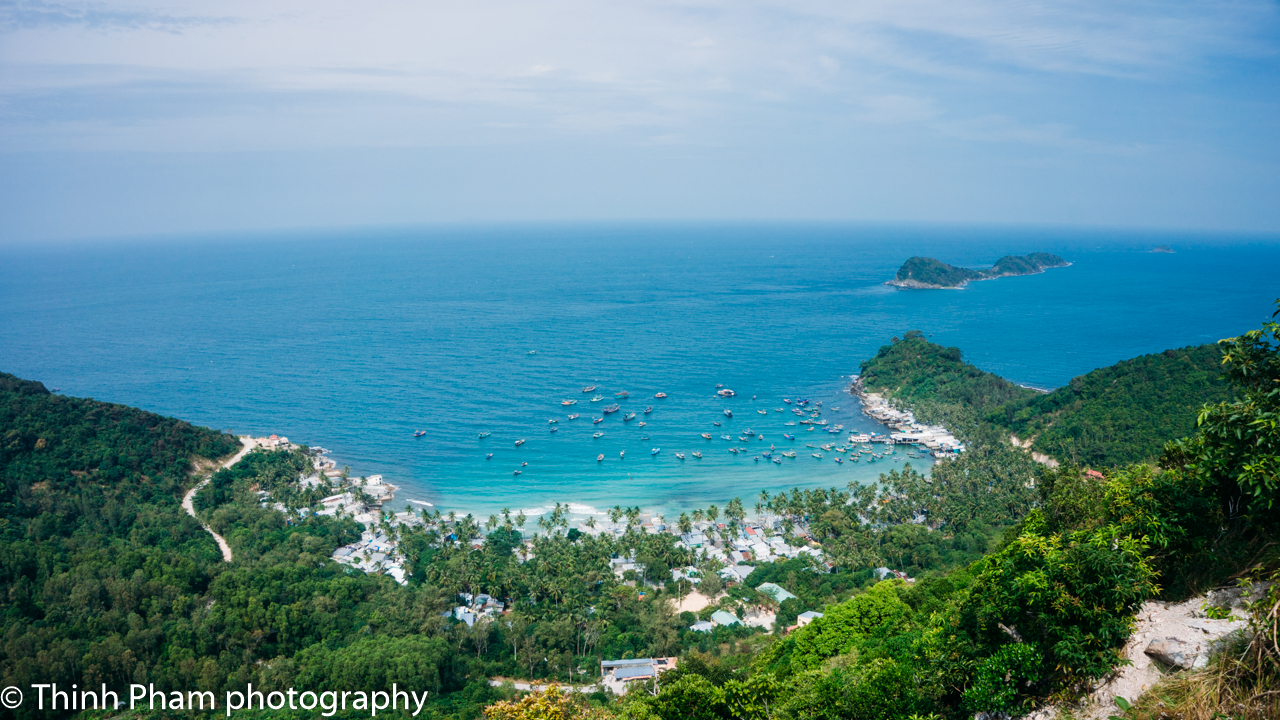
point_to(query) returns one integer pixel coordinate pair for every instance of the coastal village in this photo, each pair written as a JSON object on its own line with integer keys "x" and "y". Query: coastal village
{"x": 733, "y": 550}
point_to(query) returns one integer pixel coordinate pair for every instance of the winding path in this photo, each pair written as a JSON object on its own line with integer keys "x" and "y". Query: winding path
{"x": 189, "y": 498}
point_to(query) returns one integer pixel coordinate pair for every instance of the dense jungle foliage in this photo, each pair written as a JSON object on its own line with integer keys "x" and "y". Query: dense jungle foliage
{"x": 1109, "y": 417}
{"x": 915, "y": 371}
{"x": 1120, "y": 414}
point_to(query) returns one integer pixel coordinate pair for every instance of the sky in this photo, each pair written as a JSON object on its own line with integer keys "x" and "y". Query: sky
{"x": 178, "y": 117}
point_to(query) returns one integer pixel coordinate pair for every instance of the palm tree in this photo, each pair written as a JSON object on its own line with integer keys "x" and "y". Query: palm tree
{"x": 684, "y": 523}
{"x": 591, "y": 523}
{"x": 698, "y": 515}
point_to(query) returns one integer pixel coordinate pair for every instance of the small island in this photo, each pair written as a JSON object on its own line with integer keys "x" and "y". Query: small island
{"x": 930, "y": 274}
{"x": 1163, "y": 249}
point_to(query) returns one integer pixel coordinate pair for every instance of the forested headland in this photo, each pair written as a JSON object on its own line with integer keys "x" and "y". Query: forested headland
{"x": 1026, "y": 578}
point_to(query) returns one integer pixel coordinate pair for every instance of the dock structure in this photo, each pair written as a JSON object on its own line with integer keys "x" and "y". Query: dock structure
{"x": 937, "y": 439}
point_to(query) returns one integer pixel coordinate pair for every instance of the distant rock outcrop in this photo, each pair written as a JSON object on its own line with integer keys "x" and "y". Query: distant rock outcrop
{"x": 930, "y": 274}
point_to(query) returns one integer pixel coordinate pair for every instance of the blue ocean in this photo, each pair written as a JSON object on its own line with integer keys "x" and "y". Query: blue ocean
{"x": 355, "y": 340}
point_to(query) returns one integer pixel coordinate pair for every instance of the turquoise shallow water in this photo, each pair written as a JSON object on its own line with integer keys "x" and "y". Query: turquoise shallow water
{"x": 355, "y": 340}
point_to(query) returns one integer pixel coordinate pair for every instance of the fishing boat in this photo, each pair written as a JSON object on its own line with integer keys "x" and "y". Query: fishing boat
{"x": 840, "y": 460}
{"x": 519, "y": 443}
{"x": 733, "y": 450}
{"x": 517, "y": 472}
{"x": 789, "y": 454}
{"x": 748, "y": 431}
{"x": 766, "y": 455}
{"x": 786, "y": 401}
{"x": 642, "y": 424}
{"x": 598, "y": 435}
{"x": 716, "y": 423}
{"x": 789, "y": 437}
{"x": 553, "y": 421}
{"x": 628, "y": 417}
{"x": 567, "y": 403}
{"x": 554, "y": 429}
{"x": 623, "y": 454}
{"x": 533, "y": 352}
{"x": 484, "y": 435}
{"x": 655, "y": 451}
{"x": 589, "y": 388}
{"x": 728, "y": 413}
{"x": 680, "y": 456}
{"x": 611, "y": 409}
{"x": 725, "y": 437}
{"x": 719, "y": 385}
{"x": 420, "y": 433}
{"x": 644, "y": 437}
{"x": 597, "y": 398}
{"x": 726, "y": 393}
{"x": 648, "y": 410}
{"x": 597, "y": 421}
{"x": 600, "y": 457}
{"x": 524, "y": 464}
{"x": 817, "y": 455}
{"x": 743, "y": 438}
{"x": 706, "y": 436}
{"x": 622, "y": 394}
{"x": 777, "y": 409}
{"x": 763, "y": 412}
{"x": 697, "y": 455}
{"x": 777, "y": 461}
{"x": 660, "y": 395}
{"x": 489, "y": 456}
{"x": 573, "y": 416}
{"x": 791, "y": 423}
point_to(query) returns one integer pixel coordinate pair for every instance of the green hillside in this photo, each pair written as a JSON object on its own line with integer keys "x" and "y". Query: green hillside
{"x": 914, "y": 370}
{"x": 1123, "y": 413}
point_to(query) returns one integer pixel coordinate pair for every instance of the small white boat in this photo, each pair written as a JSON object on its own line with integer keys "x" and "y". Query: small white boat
{"x": 573, "y": 416}
{"x": 589, "y": 388}
{"x": 642, "y": 424}
{"x": 553, "y": 421}
{"x": 706, "y": 436}
{"x": 598, "y": 435}
{"x": 600, "y": 457}
{"x": 623, "y": 454}
{"x": 697, "y": 455}
{"x": 655, "y": 451}
{"x": 517, "y": 472}
{"x": 567, "y": 403}
{"x": 660, "y": 395}
{"x": 763, "y": 412}
{"x": 597, "y": 398}
{"x": 489, "y": 456}
{"x": 484, "y": 435}
{"x": 817, "y": 456}
{"x": 519, "y": 442}
{"x": 680, "y": 455}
